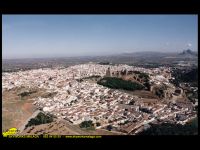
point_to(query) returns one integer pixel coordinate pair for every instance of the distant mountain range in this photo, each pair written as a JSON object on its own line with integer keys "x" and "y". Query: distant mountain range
{"x": 149, "y": 54}
{"x": 126, "y": 58}
{"x": 188, "y": 53}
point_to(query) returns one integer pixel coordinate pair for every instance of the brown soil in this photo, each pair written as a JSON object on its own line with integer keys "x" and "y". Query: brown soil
{"x": 16, "y": 110}
{"x": 62, "y": 127}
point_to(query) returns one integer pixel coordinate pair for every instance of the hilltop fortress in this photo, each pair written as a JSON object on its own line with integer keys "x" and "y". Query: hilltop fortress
{"x": 126, "y": 75}
{"x": 158, "y": 82}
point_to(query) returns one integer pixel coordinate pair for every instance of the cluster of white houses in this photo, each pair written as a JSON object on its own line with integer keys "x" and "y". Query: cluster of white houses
{"x": 79, "y": 101}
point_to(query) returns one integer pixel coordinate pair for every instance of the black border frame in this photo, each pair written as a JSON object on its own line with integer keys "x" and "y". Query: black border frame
{"x": 115, "y": 7}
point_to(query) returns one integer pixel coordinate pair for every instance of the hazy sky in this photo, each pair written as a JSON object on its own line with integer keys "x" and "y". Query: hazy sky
{"x": 25, "y": 36}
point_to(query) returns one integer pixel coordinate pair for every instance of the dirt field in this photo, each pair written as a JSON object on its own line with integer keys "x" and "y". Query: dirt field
{"x": 15, "y": 110}
{"x": 142, "y": 94}
{"x": 62, "y": 127}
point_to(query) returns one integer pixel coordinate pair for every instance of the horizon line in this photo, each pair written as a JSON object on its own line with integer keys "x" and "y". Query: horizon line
{"x": 104, "y": 55}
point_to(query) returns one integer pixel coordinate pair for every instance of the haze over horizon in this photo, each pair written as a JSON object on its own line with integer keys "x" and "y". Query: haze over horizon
{"x": 40, "y": 36}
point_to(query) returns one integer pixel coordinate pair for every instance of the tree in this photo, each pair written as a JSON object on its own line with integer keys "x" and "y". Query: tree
{"x": 86, "y": 124}
{"x": 98, "y": 124}
{"x": 131, "y": 102}
{"x": 109, "y": 127}
{"x": 40, "y": 119}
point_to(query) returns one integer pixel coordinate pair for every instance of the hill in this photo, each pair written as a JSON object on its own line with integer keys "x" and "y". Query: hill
{"x": 190, "y": 128}
{"x": 116, "y": 83}
{"x": 188, "y": 53}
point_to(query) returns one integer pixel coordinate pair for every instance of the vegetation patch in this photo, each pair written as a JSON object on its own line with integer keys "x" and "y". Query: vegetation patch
{"x": 26, "y": 93}
{"x": 41, "y": 118}
{"x": 94, "y": 78}
{"x": 49, "y": 95}
{"x": 87, "y": 125}
{"x": 104, "y": 63}
{"x": 116, "y": 83}
{"x": 191, "y": 128}
{"x": 90, "y": 77}
{"x": 185, "y": 76}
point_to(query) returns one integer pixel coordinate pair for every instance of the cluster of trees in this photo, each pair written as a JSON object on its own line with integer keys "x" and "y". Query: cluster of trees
{"x": 90, "y": 77}
{"x": 146, "y": 110}
{"x": 136, "y": 72}
{"x": 87, "y": 124}
{"x": 26, "y": 93}
{"x": 185, "y": 76}
{"x": 109, "y": 127}
{"x": 116, "y": 83}
{"x": 49, "y": 95}
{"x": 145, "y": 76}
{"x": 141, "y": 74}
{"x": 191, "y": 95}
{"x": 172, "y": 129}
{"x": 159, "y": 93}
{"x": 148, "y": 65}
{"x": 98, "y": 124}
{"x": 96, "y": 77}
{"x": 41, "y": 118}
{"x": 104, "y": 63}
{"x": 191, "y": 77}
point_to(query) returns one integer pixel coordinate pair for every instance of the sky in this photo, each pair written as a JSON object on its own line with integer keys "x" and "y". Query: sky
{"x": 38, "y": 36}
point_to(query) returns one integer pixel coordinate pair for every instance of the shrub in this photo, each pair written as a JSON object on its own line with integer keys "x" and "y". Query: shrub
{"x": 98, "y": 124}
{"x": 86, "y": 124}
{"x": 40, "y": 119}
